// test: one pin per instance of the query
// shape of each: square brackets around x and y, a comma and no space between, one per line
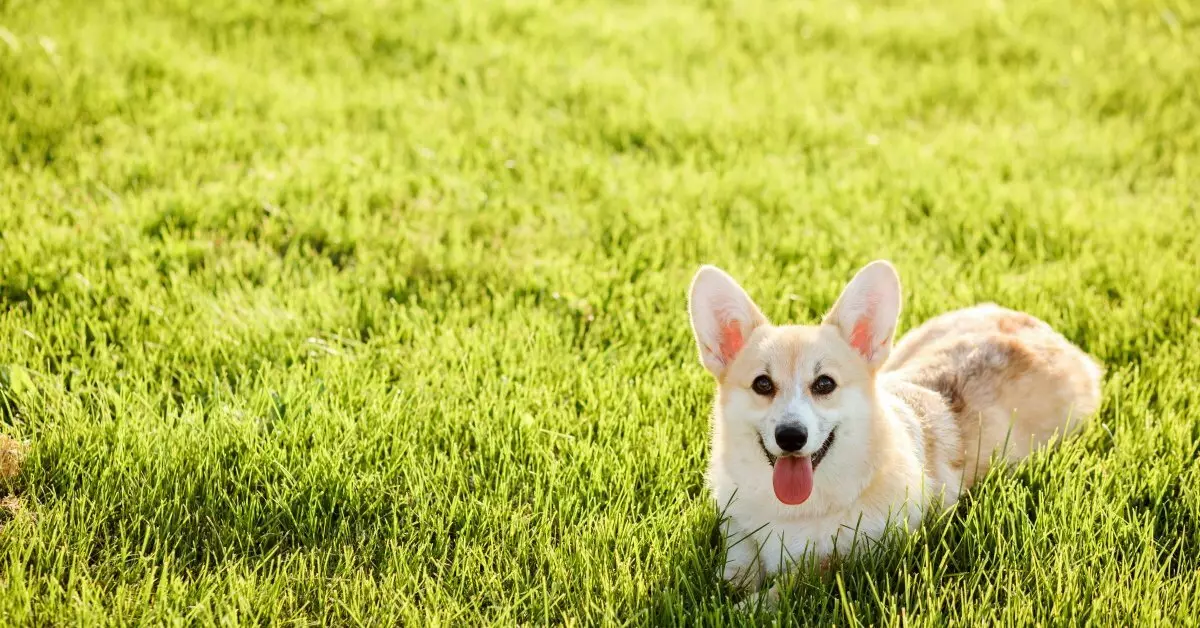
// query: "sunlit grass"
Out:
[362,312]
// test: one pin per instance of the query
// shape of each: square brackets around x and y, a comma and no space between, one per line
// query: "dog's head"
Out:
[800,393]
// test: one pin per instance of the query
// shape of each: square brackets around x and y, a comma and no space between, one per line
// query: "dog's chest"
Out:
[784,542]
[783,539]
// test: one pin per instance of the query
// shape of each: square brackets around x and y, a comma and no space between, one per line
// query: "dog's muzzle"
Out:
[817,456]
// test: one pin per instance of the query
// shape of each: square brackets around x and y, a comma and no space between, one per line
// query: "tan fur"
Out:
[905,428]
[999,370]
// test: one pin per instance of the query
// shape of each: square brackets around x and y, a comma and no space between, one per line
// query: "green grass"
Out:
[355,312]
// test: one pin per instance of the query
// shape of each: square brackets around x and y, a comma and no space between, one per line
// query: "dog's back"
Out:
[999,369]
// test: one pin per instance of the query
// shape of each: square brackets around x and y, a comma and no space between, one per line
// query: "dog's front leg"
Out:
[768,601]
[743,569]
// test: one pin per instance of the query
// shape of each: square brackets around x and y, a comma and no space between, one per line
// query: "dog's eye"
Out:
[823,385]
[763,385]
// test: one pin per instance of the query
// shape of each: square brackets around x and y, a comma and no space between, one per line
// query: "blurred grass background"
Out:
[354,312]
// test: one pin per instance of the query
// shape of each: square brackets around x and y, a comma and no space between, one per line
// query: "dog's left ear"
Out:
[723,316]
[867,312]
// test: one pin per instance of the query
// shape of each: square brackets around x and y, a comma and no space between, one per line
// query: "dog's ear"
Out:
[867,312]
[723,317]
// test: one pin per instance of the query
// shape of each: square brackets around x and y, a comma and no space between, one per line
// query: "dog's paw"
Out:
[760,602]
[743,576]
[742,571]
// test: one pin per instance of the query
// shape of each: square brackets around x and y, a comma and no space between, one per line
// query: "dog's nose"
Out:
[791,438]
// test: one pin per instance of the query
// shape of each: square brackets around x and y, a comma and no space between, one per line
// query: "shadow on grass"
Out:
[968,562]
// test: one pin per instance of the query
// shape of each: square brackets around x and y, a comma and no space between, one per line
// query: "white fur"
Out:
[741,483]
[906,430]
[871,478]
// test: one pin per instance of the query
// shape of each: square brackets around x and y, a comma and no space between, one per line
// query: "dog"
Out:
[824,434]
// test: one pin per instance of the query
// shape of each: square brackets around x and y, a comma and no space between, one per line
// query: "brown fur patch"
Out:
[994,358]
[1012,322]
[1018,356]
[951,386]
[1011,381]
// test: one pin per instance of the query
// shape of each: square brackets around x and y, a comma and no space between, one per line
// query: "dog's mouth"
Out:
[817,456]
[792,476]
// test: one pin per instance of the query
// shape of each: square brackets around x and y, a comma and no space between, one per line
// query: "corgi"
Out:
[824,433]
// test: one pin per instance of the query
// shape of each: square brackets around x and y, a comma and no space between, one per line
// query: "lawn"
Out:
[352,312]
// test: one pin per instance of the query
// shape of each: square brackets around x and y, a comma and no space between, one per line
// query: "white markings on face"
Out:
[794,407]
[799,411]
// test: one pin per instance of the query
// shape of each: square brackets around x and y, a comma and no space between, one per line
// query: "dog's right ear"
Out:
[723,316]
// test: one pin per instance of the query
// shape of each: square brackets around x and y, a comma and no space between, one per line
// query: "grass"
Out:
[352,312]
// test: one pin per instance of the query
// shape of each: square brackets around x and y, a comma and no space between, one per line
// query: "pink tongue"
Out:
[793,479]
